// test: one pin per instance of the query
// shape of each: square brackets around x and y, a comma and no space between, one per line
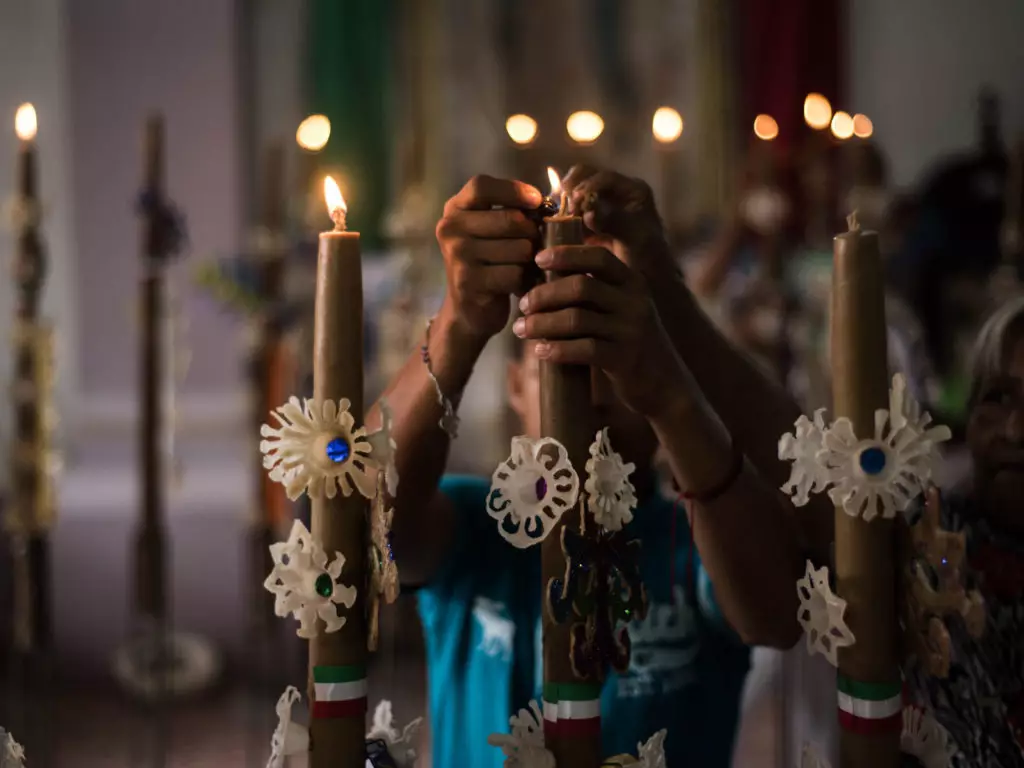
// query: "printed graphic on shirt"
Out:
[665,645]
[496,628]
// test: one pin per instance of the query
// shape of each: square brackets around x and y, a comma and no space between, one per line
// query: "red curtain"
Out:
[789,48]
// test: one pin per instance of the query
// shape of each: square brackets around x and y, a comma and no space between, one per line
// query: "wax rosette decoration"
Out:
[821,614]
[611,497]
[290,738]
[531,490]
[317,449]
[306,585]
[384,738]
[871,476]
[12,755]
[650,754]
[924,738]
[524,747]
[383,582]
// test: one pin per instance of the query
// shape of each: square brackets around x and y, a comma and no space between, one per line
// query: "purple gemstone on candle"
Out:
[541,488]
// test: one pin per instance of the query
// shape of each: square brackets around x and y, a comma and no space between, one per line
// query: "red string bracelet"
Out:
[717,491]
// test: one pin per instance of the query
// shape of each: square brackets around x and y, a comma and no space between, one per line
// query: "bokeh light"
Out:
[765,127]
[667,125]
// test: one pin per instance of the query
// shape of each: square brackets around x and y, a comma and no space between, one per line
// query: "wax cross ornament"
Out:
[531,490]
[602,586]
[611,497]
[871,476]
[925,739]
[383,571]
[12,755]
[306,585]
[290,738]
[318,449]
[401,746]
[821,615]
[650,754]
[524,747]
[934,590]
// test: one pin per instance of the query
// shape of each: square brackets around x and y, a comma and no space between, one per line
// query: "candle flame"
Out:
[817,111]
[522,129]
[313,133]
[584,127]
[667,125]
[842,125]
[335,202]
[25,124]
[556,183]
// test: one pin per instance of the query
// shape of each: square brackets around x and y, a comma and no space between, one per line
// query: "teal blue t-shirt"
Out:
[481,621]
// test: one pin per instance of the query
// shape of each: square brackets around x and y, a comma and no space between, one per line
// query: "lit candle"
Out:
[566,414]
[25,126]
[339,524]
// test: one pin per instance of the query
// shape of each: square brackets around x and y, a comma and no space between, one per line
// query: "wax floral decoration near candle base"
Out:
[602,586]
[650,754]
[821,615]
[611,497]
[290,738]
[12,755]
[868,477]
[400,746]
[318,449]
[383,571]
[531,490]
[809,758]
[524,747]
[305,585]
[924,738]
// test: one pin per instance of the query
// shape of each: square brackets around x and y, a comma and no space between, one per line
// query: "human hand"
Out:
[599,312]
[488,244]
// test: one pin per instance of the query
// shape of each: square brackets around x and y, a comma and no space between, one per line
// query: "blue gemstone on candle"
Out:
[872,460]
[541,488]
[338,450]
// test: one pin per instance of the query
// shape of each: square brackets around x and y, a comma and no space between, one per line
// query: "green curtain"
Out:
[351,76]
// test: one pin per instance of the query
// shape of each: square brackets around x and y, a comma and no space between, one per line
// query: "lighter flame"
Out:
[25,124]
[313,133]
[522,129]
[765,127]
[335,202]
[584,127]
[842,125]
[556,183]
[862,126]
[667,125]
[817,111]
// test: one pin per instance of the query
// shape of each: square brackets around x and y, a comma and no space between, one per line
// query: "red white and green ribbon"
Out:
[339,691]
[869,707]
[572,709]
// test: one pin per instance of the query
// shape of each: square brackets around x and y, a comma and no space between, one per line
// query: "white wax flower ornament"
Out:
[317,449]
[809,758]
[821,615]
[305,585]
[524,747]
[802,448]
[383,447]
[290,738]
[12,755]
[652,753]
[890,470]
[924,738]
[531,490]
[401,746]
[611,498]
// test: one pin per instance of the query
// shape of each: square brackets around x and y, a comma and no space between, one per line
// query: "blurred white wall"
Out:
[916,67]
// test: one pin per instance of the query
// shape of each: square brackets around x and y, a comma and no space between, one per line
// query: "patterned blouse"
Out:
[981,703]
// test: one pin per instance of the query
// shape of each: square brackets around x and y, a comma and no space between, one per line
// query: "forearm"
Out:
[422,451]
[755,410]
[746,536]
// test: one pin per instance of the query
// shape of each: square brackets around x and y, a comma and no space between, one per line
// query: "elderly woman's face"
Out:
[995,433]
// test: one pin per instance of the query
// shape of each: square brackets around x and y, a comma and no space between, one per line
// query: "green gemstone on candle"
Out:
[324,585]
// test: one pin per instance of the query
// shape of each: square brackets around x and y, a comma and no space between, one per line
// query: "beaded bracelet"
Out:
[449,421]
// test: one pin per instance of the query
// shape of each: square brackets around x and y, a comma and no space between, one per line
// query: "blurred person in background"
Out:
[981,702]
[676,383]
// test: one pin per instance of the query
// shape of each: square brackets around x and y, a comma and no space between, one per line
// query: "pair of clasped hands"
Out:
[600,311]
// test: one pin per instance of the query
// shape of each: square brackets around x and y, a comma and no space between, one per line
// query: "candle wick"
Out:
[563,205]
[851,222]
[338,217]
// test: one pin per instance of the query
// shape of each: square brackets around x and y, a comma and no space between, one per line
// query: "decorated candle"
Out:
[567,415]
[869,675]
[338,659]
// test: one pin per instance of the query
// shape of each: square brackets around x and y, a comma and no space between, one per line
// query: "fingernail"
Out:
[519,327]
[545,258]
[524,303]
[542,350]
[534,197]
